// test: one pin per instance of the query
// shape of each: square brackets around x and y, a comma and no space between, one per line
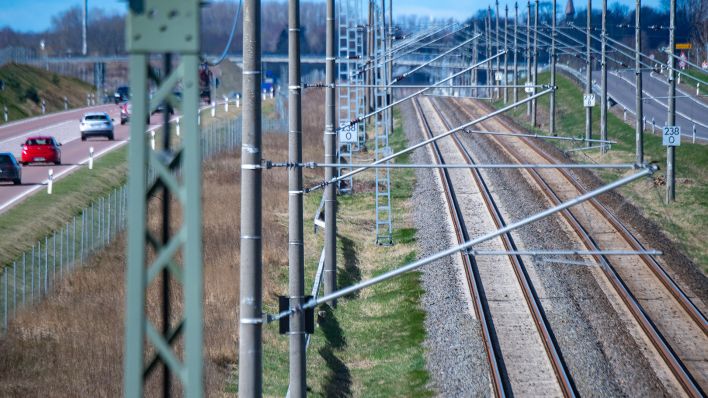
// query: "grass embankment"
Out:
[371,344]
[70,195]
[26,86]
[691,84]
[72,344]
[686,220]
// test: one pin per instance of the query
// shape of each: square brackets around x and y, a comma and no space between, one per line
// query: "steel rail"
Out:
[664,349]
[632,240]
[474,281]
[532,301]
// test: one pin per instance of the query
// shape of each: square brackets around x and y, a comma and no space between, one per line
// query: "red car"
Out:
[41,149]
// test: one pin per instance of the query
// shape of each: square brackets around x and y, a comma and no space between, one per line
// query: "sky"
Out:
[36,15]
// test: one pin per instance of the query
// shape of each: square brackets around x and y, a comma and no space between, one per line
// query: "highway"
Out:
[64,126]
[690,110]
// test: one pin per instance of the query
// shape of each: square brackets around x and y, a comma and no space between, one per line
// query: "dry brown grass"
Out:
[71,344]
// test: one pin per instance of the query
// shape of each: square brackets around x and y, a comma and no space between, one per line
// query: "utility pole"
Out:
[528,55]
[496,42]
[588,75]
[296,245]
[330,141]
[638,127]
[516,52]
[250,370]
[552,111]
[671,117]
[535,62]
[603,72]
[506,53]
[84,25]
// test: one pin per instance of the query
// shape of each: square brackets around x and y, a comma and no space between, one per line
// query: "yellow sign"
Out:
[683,46]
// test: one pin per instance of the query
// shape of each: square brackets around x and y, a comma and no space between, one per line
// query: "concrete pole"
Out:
[535,61]
[671,116]
[251,294]
[330,139]
[639,105]
[552,105]
[528,54]
[506,54]
[603,65]
[588,74]
[84,25]
[516,52]
[296,248]
[496,42]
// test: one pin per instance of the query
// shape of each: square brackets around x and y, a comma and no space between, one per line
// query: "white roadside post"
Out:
[694,134]
[90,162]
[653,126]
[698,88]
[226,104]
[177,127]
[213,108]
[238,100]
[624,114]
[152,139]
[50,181]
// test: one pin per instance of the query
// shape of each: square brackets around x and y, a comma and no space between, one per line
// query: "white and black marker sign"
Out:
[498,76]
[50,181]
[672,136]
[588,100]
[528,88]
[348,133]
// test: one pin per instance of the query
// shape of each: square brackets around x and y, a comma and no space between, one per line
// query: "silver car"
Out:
[96,124]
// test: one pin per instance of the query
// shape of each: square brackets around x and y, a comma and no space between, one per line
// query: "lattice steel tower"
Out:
[168,27]
[384,230]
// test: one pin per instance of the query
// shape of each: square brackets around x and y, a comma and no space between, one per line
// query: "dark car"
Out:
[122,94]
[10,170]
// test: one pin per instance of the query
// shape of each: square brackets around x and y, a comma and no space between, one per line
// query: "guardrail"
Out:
[33,275]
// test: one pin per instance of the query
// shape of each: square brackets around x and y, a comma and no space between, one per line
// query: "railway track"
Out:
[521,351]
[672,323]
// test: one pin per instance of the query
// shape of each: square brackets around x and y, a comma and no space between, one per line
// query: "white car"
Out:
[96,124]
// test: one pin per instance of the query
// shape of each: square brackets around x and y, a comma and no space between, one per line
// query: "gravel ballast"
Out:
[455,355]
[599,350]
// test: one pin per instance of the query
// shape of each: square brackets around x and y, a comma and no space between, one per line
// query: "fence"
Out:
[33,275]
